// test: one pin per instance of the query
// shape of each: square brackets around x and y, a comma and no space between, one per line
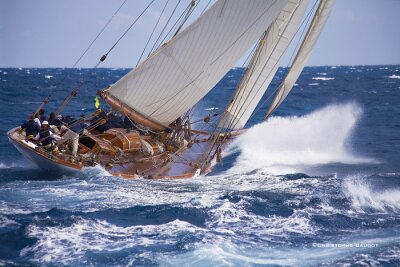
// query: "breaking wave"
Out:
[394,76]
[364,198]
[285,144]
[323,78]
[95,236]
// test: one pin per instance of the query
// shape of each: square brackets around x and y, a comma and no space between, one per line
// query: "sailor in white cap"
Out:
[46,135]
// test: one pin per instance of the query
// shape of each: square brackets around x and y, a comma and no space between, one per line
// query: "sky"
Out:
[54,33]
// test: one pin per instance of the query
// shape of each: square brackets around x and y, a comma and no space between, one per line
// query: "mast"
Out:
[182,71]
[263,65]
[317,24]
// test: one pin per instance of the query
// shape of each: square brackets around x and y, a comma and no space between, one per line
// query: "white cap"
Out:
[45,123]
[59,116]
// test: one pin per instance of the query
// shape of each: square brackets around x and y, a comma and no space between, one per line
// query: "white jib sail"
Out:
[319,20]
[264,65]
[184,70]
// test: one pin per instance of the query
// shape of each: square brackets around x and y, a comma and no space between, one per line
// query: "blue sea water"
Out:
[318,184]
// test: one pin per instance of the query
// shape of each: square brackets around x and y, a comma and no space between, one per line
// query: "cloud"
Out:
[349,15]
[118,22]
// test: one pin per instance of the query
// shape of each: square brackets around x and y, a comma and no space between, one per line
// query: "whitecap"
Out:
[394,76]
[9,165]
[365,198]
[69,244]
[48,76]
[212,108]
[286,144]
[322,78]
[313,84]
[4,221]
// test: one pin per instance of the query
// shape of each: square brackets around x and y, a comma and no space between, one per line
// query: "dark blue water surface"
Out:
[318,184]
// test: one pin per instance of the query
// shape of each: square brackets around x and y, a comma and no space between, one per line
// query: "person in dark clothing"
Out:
[42,117]
[47,136]
[31,128]
[53,120]
[68,119]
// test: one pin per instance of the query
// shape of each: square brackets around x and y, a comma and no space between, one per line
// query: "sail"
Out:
[185,69]
[320,17]
[263,65]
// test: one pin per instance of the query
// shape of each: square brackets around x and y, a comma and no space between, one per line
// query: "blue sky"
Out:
[53,33]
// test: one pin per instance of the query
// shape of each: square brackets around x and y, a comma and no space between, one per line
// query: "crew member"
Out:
[47,136]
[31,128]
[53,120]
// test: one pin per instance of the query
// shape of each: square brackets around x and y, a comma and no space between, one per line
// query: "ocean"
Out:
[318,184]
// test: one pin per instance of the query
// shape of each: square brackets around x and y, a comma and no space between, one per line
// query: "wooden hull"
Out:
[44,161]
[175,169]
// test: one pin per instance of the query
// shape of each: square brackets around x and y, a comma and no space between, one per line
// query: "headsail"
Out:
[320,17]
[184,70]
[263,65]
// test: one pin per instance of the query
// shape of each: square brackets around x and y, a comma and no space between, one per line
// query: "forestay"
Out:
[264,65]
[184,70]
[319,20]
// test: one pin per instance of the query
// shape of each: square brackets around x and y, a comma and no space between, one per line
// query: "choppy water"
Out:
[316,185]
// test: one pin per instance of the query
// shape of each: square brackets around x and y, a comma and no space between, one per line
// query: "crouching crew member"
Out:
[31,128]
[47,136]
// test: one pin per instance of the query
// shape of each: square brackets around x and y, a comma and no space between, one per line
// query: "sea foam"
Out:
[323,78]
[365,198]
[320,137]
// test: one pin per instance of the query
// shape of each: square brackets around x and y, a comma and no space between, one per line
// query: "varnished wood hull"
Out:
[44,161]
[176,169]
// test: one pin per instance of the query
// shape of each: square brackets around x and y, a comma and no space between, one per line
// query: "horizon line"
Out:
[345,65]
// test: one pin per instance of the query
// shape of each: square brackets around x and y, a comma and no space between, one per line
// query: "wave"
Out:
[225,253]
[313,84]
[4,165]
[320,137]
[69,245]
[394,76]
[364,198]
[323,78]
[5,222]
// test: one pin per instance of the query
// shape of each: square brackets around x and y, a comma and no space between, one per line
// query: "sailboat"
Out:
[158,95]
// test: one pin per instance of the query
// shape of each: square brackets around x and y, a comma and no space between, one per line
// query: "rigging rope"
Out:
[293,53]
[151,35]
[306,21]
[187,9]
[162,31]
[46,100]
[103,58]
[216,141]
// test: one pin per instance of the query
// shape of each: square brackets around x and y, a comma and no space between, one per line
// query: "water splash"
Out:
[364,198]
[286,144]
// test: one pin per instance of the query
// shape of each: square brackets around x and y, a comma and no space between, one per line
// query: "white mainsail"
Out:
[184,70]
[264,65]
[319,20]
